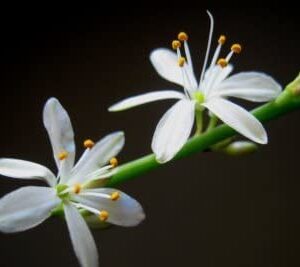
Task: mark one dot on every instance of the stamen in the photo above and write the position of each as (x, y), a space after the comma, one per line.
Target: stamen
(236, 48)
(96, 194)
(115, 196)
(77, 188)
(176, 44)
(181, 61)
(222, 39)
(103, 172)
(114, 162)
(90, 209)
(62, 155)
(182, 36)
(103, 216)
(222, 62)
(88, 143)
(185, 79)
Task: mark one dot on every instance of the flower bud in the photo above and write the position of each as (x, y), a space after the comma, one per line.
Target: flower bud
(240, 148)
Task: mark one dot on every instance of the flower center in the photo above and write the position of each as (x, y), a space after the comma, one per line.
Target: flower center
(199, 97)
(61, 191)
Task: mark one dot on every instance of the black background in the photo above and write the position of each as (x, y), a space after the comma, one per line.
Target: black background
(208, 210)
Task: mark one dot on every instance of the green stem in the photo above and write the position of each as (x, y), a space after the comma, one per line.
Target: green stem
(199, 122)
(288, 101)
(212, 123)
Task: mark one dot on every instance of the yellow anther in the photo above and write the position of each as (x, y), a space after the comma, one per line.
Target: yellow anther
(176, 44)
(113, 162)
(88, 143)
(103, 216)
(182, 36)
(222, 62)
(115, 196)
(76, 188)
(222, 39)
(236, 48)
(181, 61)
(62, 155)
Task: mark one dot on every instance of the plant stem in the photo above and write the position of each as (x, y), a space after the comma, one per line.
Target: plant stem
(199, 122)
(287, 101)
(212, 123)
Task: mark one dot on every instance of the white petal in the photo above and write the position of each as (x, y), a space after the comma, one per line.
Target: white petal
(82, 239)
(60, 131)
(22, 169)
(238, 118)
(253, 86)
(173, 130)
(165, 62)
(26, 207)
(145, 98)
(99, 155)
(125, 211)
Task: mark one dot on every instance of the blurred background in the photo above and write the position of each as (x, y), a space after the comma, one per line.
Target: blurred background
(208, 210)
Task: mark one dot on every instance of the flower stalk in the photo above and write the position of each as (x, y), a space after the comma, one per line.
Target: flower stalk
(286, 102)
(212, 123)
(199, 121)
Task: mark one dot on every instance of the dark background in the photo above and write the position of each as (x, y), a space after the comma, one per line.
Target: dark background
(208, 210)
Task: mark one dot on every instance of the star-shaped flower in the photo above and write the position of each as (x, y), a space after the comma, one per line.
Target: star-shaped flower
(211, 92)
(31, 205)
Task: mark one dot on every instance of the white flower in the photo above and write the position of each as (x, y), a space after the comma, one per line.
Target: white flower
(211, 92)
(29, 206)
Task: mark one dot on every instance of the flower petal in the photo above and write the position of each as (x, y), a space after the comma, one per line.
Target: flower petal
(107, 148)
(173, 130)
(238, 118)
(145, 98)
(82, 239)
(165, 62)
(60, 131)
(22, 169)
(124, 211)
(26, 207)
(252, 86)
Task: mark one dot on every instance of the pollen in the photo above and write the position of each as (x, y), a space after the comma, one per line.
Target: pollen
(77, 188)
(222, 62)
(88, 143)
(181, 61)
(103, 216)
(114, 162)
(115, 196)
(222, 39)
(62, 155)
(182, 36)
(236, 48)
(176, 44)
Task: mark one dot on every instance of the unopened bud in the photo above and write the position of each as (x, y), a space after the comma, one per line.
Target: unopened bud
(240, 148)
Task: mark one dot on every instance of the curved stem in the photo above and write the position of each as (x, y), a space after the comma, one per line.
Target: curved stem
(287, 101)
